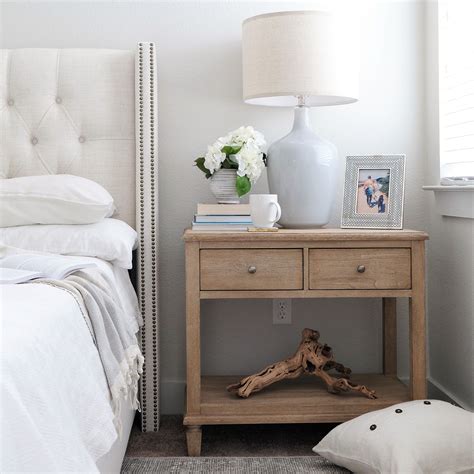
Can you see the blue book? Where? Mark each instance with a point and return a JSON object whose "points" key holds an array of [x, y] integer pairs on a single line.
{"points": [[220, 219]]}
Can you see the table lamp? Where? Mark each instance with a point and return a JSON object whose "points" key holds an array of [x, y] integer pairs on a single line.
{"points": [[301, 59]]}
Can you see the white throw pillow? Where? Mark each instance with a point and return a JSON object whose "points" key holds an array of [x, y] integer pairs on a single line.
{"points": [[110, 239], [422, 436], [53, 199]]}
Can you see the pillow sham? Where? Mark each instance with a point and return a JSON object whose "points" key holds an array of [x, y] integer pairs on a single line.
{"points": [[53, 199], [110, 239], [422, 436]]}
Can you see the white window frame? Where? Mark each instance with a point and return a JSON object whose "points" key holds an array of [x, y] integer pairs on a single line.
{"points": [[453, 197], [456, 91]]}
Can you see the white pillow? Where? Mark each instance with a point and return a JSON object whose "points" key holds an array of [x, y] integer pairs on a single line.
{"points": [[422, 436], [53, 199], [110, 239]]}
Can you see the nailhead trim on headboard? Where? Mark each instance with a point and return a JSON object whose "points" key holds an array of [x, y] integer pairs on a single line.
{"points": [[147, 226]]}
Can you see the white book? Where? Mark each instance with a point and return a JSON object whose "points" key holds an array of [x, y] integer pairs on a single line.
{"points": [[222, 219], [223, 209], [23, 267], [13, 275]]}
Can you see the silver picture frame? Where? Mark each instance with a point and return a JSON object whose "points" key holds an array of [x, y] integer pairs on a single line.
{"points": [[387, 211]]}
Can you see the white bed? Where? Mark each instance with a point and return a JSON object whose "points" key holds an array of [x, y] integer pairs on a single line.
{"points": [[89, 113], [56, 412]]}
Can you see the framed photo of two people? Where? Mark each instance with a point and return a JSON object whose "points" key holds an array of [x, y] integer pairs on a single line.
{"points": [[373, 192]]}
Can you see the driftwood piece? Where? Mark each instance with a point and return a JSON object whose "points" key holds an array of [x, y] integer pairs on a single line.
{"points": [[312, 357]]}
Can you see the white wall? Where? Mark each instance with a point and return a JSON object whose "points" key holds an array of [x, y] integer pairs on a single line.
{"points": [[198, 47], [450, 263]]}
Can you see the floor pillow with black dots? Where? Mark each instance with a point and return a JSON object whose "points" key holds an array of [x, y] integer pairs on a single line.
{"points": [[421, 436]]}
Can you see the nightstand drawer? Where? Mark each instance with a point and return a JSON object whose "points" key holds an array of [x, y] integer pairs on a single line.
{"points": [[252, 269], [369, 268]]}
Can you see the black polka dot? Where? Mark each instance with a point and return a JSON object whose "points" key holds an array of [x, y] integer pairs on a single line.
{"points": [[398, 410], [426, 402], [372, 427]]}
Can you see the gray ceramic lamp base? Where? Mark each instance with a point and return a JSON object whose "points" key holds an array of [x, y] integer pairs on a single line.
{"points": [[302, 171]]}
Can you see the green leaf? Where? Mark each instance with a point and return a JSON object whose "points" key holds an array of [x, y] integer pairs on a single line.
{"points": [[242, 185], [200, 164], [230, 150], [229, 164]]}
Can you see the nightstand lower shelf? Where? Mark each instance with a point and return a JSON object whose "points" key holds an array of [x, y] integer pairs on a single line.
{"points": [[304, 400]]}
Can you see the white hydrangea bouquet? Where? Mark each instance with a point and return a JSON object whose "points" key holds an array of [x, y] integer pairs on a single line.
{"points": [[240, 150]]}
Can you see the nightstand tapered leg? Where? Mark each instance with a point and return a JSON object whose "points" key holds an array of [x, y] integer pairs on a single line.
{"points": [[193, 439], [417, 324]]}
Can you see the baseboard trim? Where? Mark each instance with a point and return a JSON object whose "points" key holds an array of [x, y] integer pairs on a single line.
{"points": [[436, 390]]}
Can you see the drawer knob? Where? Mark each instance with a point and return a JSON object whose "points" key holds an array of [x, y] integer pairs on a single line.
{"points": [[361, 268], [252, 269]]}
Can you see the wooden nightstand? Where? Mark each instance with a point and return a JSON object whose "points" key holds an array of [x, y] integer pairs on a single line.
{"points": [[322, 263]]}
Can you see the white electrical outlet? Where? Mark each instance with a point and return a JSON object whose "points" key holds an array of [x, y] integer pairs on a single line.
{"points": [[282, 311]]}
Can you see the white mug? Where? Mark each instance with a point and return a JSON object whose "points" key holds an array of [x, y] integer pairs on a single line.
{"points": [[264, 210]]}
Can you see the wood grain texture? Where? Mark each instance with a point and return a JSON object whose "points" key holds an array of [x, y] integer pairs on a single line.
{"points": [[275, 269], [266, 294], [304, 400], [337, 268], [389, 310], [307, 244], [418, 387], [305, 235], [306, 268], [193, 329]]}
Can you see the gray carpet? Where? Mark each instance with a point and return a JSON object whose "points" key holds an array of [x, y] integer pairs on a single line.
{"points": [[221, 465], [228, 440]]}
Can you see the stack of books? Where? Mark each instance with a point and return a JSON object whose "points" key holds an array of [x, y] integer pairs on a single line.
{"points": [[222, 217]]}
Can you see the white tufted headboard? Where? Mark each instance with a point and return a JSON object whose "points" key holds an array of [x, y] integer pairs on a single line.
{"points": [[91, 113], [70, 111]]}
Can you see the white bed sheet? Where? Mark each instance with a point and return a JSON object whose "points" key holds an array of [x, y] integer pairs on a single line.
{"points": [[55, 405]]}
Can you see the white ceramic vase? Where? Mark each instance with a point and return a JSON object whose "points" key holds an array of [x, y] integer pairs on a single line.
{"points": [[302, 171], [222, 184]]}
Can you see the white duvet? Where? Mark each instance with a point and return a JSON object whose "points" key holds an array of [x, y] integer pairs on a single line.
{"points": [[55, 408]]}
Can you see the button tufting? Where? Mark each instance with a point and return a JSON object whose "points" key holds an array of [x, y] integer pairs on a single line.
{"points": [[58, 100], [34, 141], [82, 139], [10, 102]]}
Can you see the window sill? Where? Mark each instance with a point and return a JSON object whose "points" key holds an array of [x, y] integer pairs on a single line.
{"points": [[454, 201]]}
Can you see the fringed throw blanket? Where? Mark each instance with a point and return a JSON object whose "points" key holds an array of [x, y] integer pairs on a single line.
{"points": [[116, 341]]}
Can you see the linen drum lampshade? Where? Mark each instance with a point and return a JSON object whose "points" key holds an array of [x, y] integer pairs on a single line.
{"points": [[302, 59]]}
